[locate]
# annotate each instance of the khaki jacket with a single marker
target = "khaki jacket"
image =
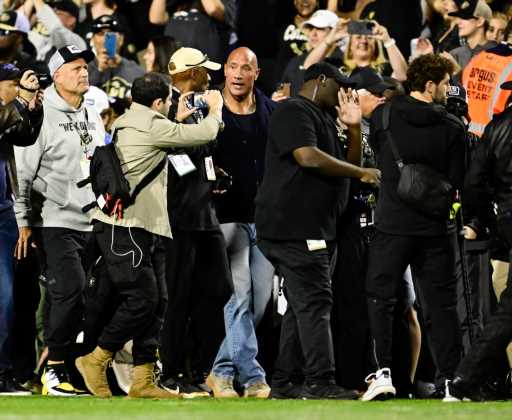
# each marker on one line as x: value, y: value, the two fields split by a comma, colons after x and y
x: 143, y: 136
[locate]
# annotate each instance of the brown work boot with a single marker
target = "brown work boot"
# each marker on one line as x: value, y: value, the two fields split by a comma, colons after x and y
x: 144, y: 386
x: 221, y: 387
x: 257, y: 390
x: 93, y: 368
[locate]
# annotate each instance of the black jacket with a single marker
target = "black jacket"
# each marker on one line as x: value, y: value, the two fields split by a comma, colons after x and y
x: 489, y: 177
x: 18, y: 127
x: 189, y: 197
x: 423, y: 133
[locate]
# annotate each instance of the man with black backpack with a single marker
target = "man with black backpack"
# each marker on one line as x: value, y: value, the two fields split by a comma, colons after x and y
x: 131, y: 238
x: 409, y: 231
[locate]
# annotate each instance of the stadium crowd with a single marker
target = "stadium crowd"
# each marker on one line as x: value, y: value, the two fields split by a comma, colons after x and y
x: 287, y: 199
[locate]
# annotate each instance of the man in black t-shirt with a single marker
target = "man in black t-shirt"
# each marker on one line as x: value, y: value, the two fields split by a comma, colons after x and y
x: 197, y: 273
x: 303, y: 189
x: 423, y: 133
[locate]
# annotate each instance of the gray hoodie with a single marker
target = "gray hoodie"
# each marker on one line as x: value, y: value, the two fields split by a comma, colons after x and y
x: 49, y: 170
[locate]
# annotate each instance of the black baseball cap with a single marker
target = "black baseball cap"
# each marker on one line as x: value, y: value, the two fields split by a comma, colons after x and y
x: 107, y: 22
x: 66, y: 55
x: 68, y: 6
x: 368, y: 79
x: 329, y: 71
x: 472, y: 9
x: 9, y: 71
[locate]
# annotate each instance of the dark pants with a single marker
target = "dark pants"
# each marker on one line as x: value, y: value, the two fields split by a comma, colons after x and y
x: 306, y: 341
x: 199, y: 285
x: 135, y: 262
x: 8, y: 238
x: 431, y: 260
x: 350, y: 330
x: 488, y: 350
x: 68, y: 255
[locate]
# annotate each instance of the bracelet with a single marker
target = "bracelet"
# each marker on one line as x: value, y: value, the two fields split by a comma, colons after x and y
x: 327, y: 44
x: 389, y: 43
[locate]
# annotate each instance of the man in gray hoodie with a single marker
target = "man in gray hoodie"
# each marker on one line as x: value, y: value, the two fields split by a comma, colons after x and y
x: 50, y: 201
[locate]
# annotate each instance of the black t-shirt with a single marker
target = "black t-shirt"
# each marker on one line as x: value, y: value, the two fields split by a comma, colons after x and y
x: 292, y: 43
x: 294, y: 203
x: 423, y: 133
x: 189, y: 197
x: 240, y: 153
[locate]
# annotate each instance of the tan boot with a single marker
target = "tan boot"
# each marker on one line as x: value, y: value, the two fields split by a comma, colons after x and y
x: 258, y: 390
x: 221, y: 387
x: 93, y: 368
x: 143, y: 385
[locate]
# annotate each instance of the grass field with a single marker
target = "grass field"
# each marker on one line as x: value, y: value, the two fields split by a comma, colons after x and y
x: 122, y: 408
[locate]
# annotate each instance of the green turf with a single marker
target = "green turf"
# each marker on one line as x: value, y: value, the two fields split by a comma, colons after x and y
x: 121, y: 408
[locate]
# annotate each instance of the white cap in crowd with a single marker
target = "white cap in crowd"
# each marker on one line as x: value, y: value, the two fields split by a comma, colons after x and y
x: 322, y: 19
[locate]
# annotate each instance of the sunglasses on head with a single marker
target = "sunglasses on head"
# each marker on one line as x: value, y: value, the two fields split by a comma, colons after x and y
x: 204, y: 60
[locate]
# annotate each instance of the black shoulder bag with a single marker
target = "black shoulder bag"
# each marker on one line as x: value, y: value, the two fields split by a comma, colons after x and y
x: 420, y: 186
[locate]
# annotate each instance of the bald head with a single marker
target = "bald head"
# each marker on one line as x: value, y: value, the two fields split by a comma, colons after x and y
x: 245, y: 54
x: 241, y: 71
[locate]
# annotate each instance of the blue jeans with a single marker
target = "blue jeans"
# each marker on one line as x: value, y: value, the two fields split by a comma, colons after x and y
x: 252, y: 280
x: 8, y: 238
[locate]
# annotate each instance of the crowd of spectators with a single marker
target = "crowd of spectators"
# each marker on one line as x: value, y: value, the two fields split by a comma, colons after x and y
x: 390, y: 292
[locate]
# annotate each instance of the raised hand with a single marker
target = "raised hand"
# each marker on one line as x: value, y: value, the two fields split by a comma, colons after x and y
x: 349, y: 110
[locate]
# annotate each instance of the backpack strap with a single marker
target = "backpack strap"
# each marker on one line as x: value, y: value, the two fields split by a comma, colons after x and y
x: 148, y: 179
x: 386, y: 119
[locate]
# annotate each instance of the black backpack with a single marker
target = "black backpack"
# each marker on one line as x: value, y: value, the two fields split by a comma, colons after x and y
x: 110, y: 186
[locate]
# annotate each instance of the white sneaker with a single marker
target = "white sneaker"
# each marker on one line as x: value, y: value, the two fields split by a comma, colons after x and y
x: 56, y: 382
x: 379, y: 385
x: 447, y: 396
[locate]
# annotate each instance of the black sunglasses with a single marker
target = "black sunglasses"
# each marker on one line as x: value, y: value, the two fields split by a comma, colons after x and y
x: 204, y: 60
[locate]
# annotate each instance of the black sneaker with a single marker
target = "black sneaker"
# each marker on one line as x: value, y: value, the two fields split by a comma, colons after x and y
x: 9, y: 385
x: 290, y: 391
x: 185, y: 389
x: 327, y: 392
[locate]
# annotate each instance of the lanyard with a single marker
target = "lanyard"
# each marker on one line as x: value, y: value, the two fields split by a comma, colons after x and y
x: 85, y: 137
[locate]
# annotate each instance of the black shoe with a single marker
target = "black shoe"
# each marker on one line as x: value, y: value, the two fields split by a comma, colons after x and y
x: 9, y: 385
x: 327, y: 392
x: 464, y: 391
x: 185, y: 389
x: 290, y: 391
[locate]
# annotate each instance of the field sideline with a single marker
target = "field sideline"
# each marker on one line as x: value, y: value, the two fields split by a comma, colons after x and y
x: 121, y: 408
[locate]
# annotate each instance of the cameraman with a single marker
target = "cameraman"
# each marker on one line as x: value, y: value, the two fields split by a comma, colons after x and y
x: 20, y: 122
x: 133, y: 245
x: 488, y: 180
